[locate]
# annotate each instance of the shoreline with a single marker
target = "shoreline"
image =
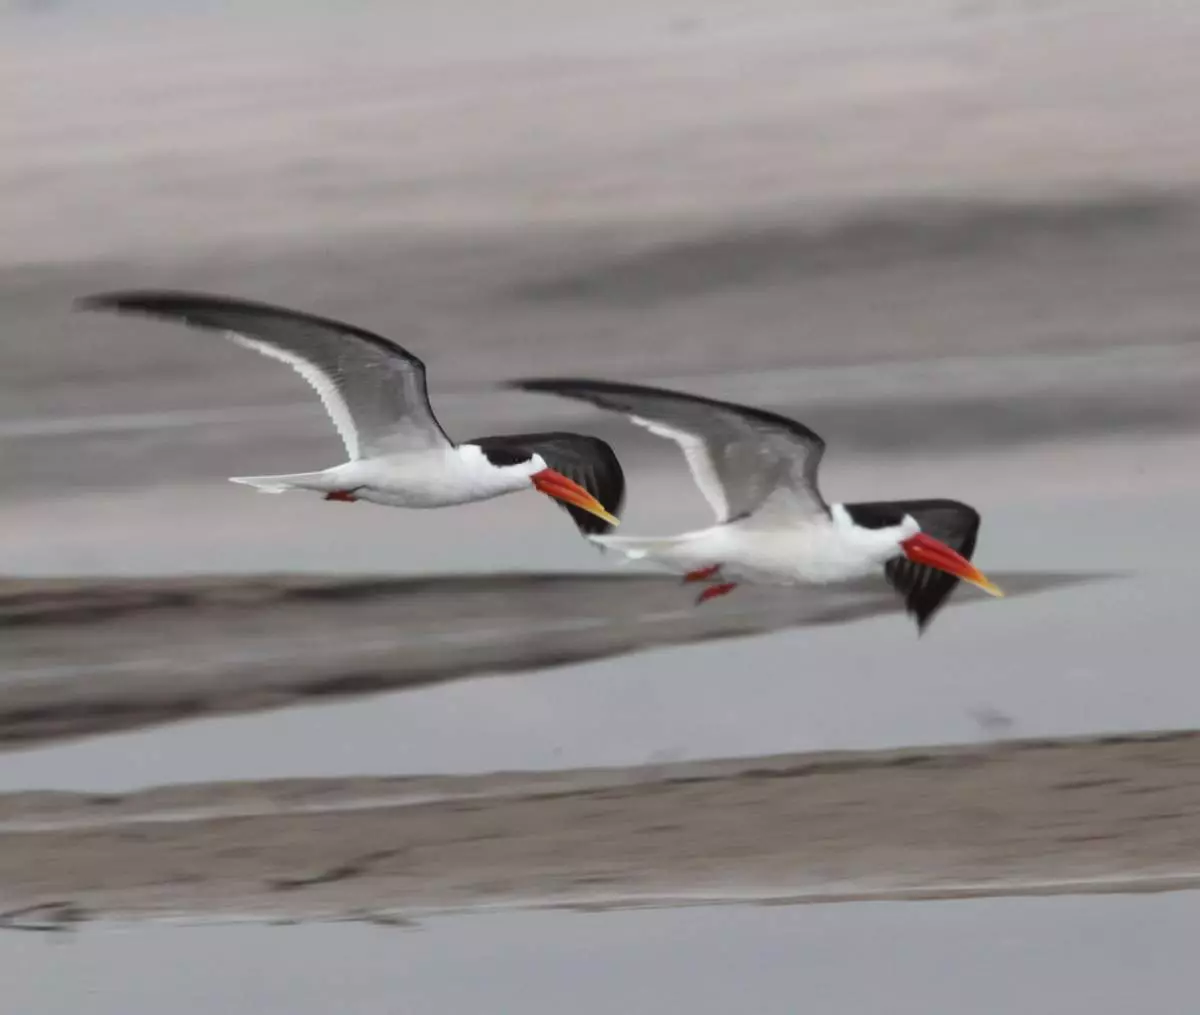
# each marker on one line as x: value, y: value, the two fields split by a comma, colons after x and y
x: 1078, y: 815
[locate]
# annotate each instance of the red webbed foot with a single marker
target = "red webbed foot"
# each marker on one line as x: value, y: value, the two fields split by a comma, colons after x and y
x: 704, y: 574
x: 713, y: 591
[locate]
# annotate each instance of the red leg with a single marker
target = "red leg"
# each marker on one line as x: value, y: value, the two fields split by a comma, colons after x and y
x: 703, y: 575
x: 715, y: 590
x: 346, y: 496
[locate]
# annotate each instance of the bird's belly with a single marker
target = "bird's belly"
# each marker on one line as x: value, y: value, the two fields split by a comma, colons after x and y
x: 742, y: 556
x: 425, y: 480
x: 406, y: 497
x: 796, y: 558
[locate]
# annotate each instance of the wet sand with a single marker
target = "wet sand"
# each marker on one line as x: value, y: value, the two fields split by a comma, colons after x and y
x: 1097, y: 814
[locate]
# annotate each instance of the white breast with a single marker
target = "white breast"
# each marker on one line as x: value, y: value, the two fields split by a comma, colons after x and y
x: 816, y: 553
x: 427, y: 479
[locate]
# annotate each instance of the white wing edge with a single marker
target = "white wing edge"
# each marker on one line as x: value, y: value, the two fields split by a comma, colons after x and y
x: 322, y: 383
x: 699, y: 460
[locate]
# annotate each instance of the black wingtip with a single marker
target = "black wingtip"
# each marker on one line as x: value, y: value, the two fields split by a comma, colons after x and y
x: 174, y: 301
x: 923, y: 604
x: 556, y: 384
x: 550, y: 384
x: 128, y: 300
x: 923, y: 610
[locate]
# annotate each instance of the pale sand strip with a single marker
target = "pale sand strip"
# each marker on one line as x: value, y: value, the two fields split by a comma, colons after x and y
x: 1097, y: 814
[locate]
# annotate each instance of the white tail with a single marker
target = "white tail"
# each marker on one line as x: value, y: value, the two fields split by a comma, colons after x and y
x: 637, y: 547
x: 684, y: 552
x: 282, y: 484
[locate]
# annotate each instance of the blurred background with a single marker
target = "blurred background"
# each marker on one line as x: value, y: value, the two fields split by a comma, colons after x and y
x: 957, y: 238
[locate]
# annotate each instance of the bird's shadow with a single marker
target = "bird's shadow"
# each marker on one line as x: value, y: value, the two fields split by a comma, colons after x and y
x: 241, y: 643
x: 874, y: 598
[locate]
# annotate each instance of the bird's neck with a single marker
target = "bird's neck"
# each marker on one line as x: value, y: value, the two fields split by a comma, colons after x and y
x: 879, y: 543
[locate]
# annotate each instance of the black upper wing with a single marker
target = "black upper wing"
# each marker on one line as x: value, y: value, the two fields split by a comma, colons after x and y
x: 747, y: 462
x: 924, y: 589
x: 589, y: 461
x: 373, y: 389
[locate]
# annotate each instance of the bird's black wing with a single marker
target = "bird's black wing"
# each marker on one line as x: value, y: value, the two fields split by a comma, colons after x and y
x: 588, y: 461
x: 925, y: 589
x: 747, y: 462
x: 373, y: 389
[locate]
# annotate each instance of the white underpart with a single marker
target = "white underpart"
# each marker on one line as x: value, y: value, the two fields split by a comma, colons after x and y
x: 331, y: 398
x: 413, y: 479
x: 699, y: 461
x: 818, y: 552
x: 426, y: 478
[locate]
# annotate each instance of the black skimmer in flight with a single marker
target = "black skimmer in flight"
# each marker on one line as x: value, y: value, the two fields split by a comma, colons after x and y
x: 374, y: 391
x: 758, y: 472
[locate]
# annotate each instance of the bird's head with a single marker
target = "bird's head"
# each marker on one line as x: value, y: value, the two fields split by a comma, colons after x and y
x: 885, y: 534
x: 522, y: 466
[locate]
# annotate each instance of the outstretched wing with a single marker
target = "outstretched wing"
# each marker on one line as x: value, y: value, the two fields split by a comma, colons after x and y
x: 925, y: 589
x: 589, y: 461
x: 373, y: 389
x: 745, y: 461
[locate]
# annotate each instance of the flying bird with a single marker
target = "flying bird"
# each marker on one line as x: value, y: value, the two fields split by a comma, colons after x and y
x: 758, y: 472
x: 374, y: 392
